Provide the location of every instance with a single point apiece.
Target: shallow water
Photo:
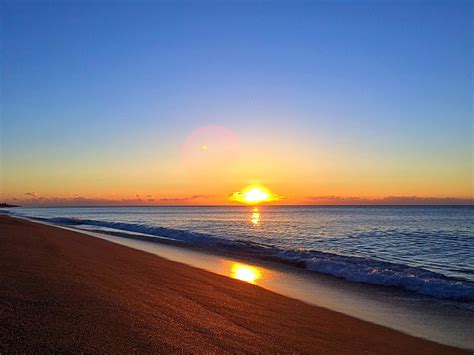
(427, 250)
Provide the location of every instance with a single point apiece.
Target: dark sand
(65, 291)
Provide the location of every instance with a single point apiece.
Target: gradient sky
(318, 101)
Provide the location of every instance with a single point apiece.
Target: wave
(356, 269)
(383, 273)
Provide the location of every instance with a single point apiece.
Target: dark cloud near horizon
(390, 200)
(77, 200)
(178, 199)
(35, 200)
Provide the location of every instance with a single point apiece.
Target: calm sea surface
(428, 250)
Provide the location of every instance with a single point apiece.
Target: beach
(66, 291)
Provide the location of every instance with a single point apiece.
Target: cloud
(77, 201)
(389, 200)
(34, 200)
(190, 198)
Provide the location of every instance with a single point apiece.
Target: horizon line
(262, 205)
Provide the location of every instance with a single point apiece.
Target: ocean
(427, 250)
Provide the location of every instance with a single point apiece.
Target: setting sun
(253, 195)
(256, 195)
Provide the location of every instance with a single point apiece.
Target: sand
(63, 291)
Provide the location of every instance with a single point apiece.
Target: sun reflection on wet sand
(255, 217)
(244, 272)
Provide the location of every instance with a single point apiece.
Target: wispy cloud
(34, 199)
(389, 200)
(189, 198)
(77, 201)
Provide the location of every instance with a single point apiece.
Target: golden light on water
(255, 217)
(245, 272)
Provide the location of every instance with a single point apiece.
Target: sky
(189, 102)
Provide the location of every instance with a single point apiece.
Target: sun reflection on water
(255, 217)
(245, 272)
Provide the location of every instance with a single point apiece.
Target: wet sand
(65, 291)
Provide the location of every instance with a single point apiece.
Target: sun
(256, 195)
(253, 195)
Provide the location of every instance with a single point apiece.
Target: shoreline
(441, 321)
(130, 298)
(423, 276)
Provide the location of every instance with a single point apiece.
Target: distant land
(4, 205)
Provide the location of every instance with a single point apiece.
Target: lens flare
(209, 148)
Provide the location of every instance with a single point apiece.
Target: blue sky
(385, 84)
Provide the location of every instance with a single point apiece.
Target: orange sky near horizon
(213, 162)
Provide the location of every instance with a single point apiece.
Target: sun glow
(253, 195)
(256, 195)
